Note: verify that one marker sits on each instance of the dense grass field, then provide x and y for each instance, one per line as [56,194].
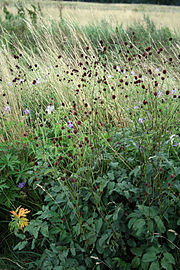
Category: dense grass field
[89,137]
[85,13]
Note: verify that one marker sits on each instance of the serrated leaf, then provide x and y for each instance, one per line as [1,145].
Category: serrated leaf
[111,176]
[135,262]
[72,249]
[139,224]
[131,222]
[44,230]
[98,225]
[114,165]
[154,266]
[20,245]
[166,265]
[137,251]
[169,257]
[149,257]
[160,224]
[103,239]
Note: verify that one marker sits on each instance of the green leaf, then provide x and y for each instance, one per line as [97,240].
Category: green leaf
[44,230]
[77,229]
[20,245]
[111,176]
[135,262]
[100,249]
[139,225]
[138,251]
[171,236]
[131,222]
[178,222]
[149,257]
[160,224]
[98,225]
[55,230]
[111,185]
[166,265]
[169,257]
[154,266]
[114,165]
[72,249]
[33,243]
[103,239]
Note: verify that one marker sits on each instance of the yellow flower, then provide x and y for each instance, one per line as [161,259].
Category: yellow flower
[19,220]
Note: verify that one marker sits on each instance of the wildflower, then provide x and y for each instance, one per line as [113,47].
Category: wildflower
[22,184]
[26,111]
[7,108]
[140,120]
[49,109]
[70,124]
[109,76]
[159,94]
[136,107]
[19,220]
[37,81]
[173,91]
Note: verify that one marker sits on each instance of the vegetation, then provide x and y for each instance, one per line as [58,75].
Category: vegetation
[157,2]
[89,145]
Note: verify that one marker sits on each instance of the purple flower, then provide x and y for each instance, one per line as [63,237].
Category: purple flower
[7,108]
[26,111]
[173,91]
[159,94]
[140,120]
[136,107]
[70,124]
[21,185]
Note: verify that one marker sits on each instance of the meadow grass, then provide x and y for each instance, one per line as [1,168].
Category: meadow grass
[89,144]
[124,14]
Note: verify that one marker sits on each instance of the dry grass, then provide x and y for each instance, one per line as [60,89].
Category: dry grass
[124,14]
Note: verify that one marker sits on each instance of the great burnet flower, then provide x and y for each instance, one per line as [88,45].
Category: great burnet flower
[19,220]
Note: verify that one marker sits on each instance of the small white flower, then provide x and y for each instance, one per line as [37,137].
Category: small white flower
[38,81]
[140,120]
[132,72]
[109,76]
[118,68]
[70,124]
[49,109]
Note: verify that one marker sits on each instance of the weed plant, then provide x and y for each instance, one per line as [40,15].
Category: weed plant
[90,146]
